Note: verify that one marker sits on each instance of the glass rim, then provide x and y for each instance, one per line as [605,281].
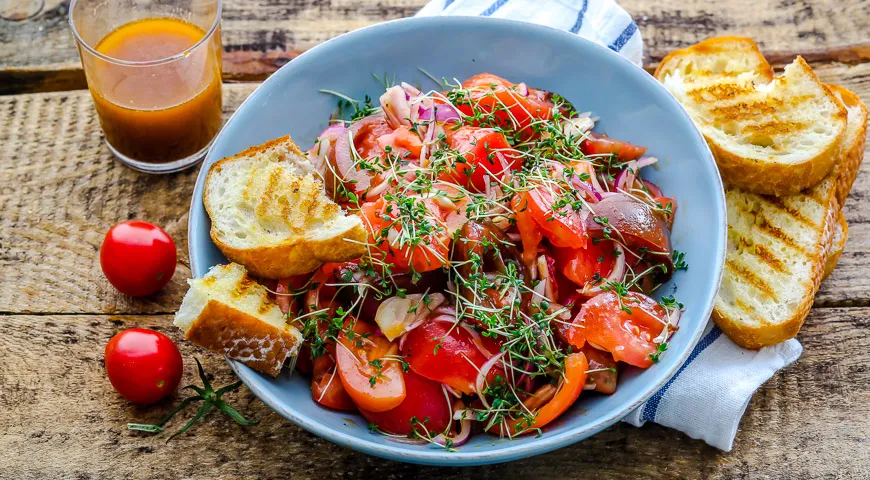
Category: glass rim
[144,63]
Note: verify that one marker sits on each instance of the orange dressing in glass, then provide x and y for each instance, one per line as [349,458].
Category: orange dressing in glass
[158,114]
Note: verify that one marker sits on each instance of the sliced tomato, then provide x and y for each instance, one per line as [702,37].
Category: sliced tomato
[581,265]
[484,152]
[373,382]
[427,255]
[563,228]
[512,109]
[425,402]
[571,388]
[402,142]
[598,144]
[447,354]
[366,140]
[605,378]
[664,202]
[572,333]
[627,336]
[530,234]
[326,386]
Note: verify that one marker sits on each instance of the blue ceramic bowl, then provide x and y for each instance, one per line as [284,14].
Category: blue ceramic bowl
[631,105]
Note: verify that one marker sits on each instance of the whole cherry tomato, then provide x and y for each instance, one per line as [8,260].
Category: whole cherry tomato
[138,258]
[143,365]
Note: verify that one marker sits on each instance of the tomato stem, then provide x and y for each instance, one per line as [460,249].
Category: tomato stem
[211,399]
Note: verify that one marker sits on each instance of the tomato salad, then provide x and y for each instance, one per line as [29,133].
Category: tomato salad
[511,255]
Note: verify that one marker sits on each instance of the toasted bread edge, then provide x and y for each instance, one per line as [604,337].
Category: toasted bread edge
[217,326]
[289,258]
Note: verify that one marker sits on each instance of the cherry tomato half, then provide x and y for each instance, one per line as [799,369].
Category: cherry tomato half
[511,107]
[326,386]
[486,152]
[448,355]
[425,256]
[563,228]
[143,365]
[138,258]
[598,144]
[627,336]
[425,401]
[373,382]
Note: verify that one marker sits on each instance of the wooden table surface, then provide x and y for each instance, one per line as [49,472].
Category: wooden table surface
[61,190]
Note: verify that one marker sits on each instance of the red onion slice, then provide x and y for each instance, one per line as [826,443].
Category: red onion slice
[464,430]
[344,162]
[477,341]
[523,89]
[396,107]
[480,383]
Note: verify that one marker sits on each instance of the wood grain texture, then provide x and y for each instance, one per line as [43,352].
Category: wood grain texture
[808,422]
[259,36]
[62,190]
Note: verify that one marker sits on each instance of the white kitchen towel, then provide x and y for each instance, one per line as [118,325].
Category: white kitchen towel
[707,396]
[602,21]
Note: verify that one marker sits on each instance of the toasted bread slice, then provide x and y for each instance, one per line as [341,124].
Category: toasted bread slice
[229,313]
[773,137]
[777,251]
[714,59]
[269,212]
[838,244]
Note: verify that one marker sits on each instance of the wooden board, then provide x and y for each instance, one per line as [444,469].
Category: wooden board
[808,422]
[39,53]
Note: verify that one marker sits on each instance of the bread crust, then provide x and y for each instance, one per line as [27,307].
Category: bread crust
[228,331]
[771,178]
[766,334]
[837,246]
[852,154]
[296,255]
[710,46]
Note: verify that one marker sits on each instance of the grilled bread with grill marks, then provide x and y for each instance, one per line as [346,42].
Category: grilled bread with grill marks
[773,137]
[229,313]
[778,248]
[711,61]
[269,212]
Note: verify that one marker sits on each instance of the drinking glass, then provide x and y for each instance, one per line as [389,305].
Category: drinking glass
[153,68]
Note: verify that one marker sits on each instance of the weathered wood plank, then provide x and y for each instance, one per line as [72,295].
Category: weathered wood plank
[259,36]
[62,418]
[65,190]
[62,190]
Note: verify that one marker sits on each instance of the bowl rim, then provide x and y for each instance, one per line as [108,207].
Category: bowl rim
[545,443]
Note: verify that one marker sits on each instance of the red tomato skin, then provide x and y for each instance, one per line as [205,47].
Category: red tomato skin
[425,399]
[144,366]
[480,145]
[598,144]
[492,92]
[581,264]
[627,337]
[138,258]
[450,364]
[561,230]
[424,257]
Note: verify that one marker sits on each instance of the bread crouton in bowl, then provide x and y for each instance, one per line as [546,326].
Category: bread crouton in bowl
[626,103]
